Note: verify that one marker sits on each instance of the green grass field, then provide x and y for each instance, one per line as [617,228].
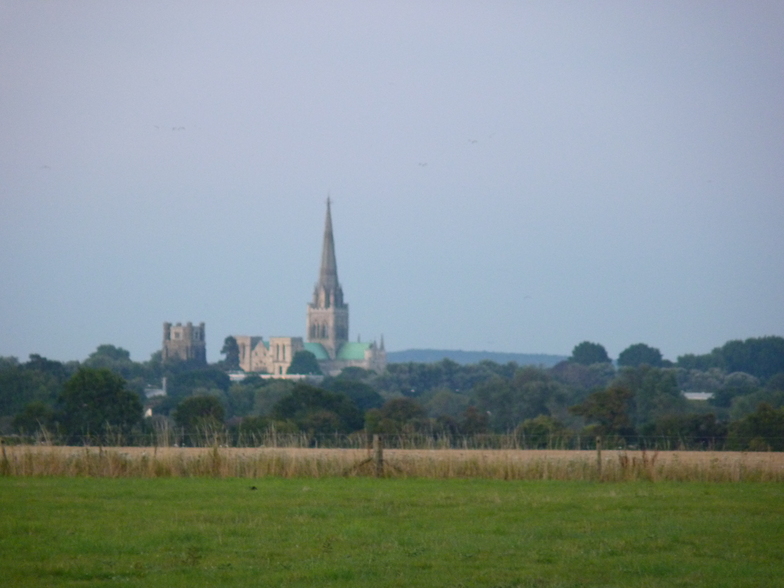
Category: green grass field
[388,532]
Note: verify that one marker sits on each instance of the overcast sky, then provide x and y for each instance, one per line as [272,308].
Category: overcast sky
[505,176]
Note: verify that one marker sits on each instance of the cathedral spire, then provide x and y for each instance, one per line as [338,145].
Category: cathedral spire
[328,275]
[328,313]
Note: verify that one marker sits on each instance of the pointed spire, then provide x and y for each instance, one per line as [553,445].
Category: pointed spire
[328,275]
[382,342]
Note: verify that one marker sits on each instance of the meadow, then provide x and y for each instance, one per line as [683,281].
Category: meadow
[406,532]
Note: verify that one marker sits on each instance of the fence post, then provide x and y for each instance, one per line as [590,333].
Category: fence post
[6,470]
[378,455]
[599,456]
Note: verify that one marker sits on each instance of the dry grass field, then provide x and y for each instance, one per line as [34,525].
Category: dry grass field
[703,466]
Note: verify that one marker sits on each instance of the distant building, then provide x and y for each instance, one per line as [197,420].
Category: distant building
[153,392]
[698,395]
[270,357]
[326,329]
[184,343]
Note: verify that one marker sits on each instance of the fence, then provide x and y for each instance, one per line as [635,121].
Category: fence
[222,437]
[607,465]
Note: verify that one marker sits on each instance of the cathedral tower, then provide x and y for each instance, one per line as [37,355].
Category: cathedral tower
[328,314]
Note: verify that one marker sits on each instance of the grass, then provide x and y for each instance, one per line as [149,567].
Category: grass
[336,531]
[695,466]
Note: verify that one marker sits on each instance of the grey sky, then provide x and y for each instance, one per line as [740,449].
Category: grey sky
[509,176]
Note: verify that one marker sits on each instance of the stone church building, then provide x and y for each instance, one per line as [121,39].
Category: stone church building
[326,330]
[184,343]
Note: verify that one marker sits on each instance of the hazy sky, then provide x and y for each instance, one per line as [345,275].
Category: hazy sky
[506,176]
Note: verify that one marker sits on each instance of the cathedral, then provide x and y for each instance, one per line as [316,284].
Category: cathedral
[326,329]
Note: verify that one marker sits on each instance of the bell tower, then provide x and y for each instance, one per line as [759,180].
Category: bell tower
[327,313]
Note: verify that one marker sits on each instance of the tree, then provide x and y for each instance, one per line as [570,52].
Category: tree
[762,357]
[249,429]
[36,417]
[446,403]
[639,354]
[734,385]
[199,413]
[187,382]
[110,352]
[760,431]
[706,362]
[305,363]
[588,353]
[445,425]
[318,411]
[239,400]
[356,374]
[772,394]
[709,380]
[232,352]
[402,410]
[474,422]
[397,416]
[691,430]
[363,395]
[742,406]
[119,361]
[48,366]
[199,382]
[539,432]
[655,393]
[266,397]
[776,382]
[415,379]
[96,401]
[39,380]
[583,378]
[529,393]
[609,409]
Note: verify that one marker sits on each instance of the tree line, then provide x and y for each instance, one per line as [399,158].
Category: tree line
[636,400]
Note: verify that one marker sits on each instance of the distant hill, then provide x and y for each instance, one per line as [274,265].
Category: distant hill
[465,357]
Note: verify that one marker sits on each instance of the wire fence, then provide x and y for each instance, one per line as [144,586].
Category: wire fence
[222,437]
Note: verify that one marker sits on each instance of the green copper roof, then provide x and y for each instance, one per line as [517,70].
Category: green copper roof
[318,350]
[353,351]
